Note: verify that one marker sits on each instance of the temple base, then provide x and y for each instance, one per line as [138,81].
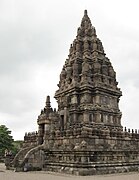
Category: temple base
[98,169]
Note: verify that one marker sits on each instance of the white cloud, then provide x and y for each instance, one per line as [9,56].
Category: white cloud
[35,36]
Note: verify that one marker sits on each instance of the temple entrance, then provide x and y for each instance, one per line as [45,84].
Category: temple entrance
[41,133]
[62,123]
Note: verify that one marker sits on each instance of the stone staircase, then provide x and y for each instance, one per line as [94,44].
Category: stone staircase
[30,158]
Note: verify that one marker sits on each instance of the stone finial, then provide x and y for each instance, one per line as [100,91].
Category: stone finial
[48,99]
[85,12]
[48,104]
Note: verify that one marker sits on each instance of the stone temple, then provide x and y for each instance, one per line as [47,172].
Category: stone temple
[84,136]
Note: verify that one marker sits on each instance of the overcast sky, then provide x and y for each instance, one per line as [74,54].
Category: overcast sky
[35,36]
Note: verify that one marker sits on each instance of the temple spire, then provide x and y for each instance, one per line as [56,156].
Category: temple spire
[86,59]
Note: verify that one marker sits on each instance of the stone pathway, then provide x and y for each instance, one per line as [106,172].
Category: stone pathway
[10,175]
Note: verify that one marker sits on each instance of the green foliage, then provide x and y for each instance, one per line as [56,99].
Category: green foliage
[6,140]
[16,146]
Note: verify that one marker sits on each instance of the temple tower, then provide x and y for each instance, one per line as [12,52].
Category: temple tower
[88,92]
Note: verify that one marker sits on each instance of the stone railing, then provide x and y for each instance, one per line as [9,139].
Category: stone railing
[30,138]
[131,133]
[100,131]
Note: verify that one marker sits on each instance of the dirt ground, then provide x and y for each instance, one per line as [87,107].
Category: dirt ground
[11,175]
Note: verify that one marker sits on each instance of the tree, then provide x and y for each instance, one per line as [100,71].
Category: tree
[16,146]
[6,140]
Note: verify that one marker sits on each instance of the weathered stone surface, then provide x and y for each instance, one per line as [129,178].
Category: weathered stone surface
[84,136]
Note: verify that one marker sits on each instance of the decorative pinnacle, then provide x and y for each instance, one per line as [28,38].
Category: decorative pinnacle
[85,12]
[48,99]
[48,102]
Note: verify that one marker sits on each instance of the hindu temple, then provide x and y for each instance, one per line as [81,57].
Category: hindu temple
[84,136]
